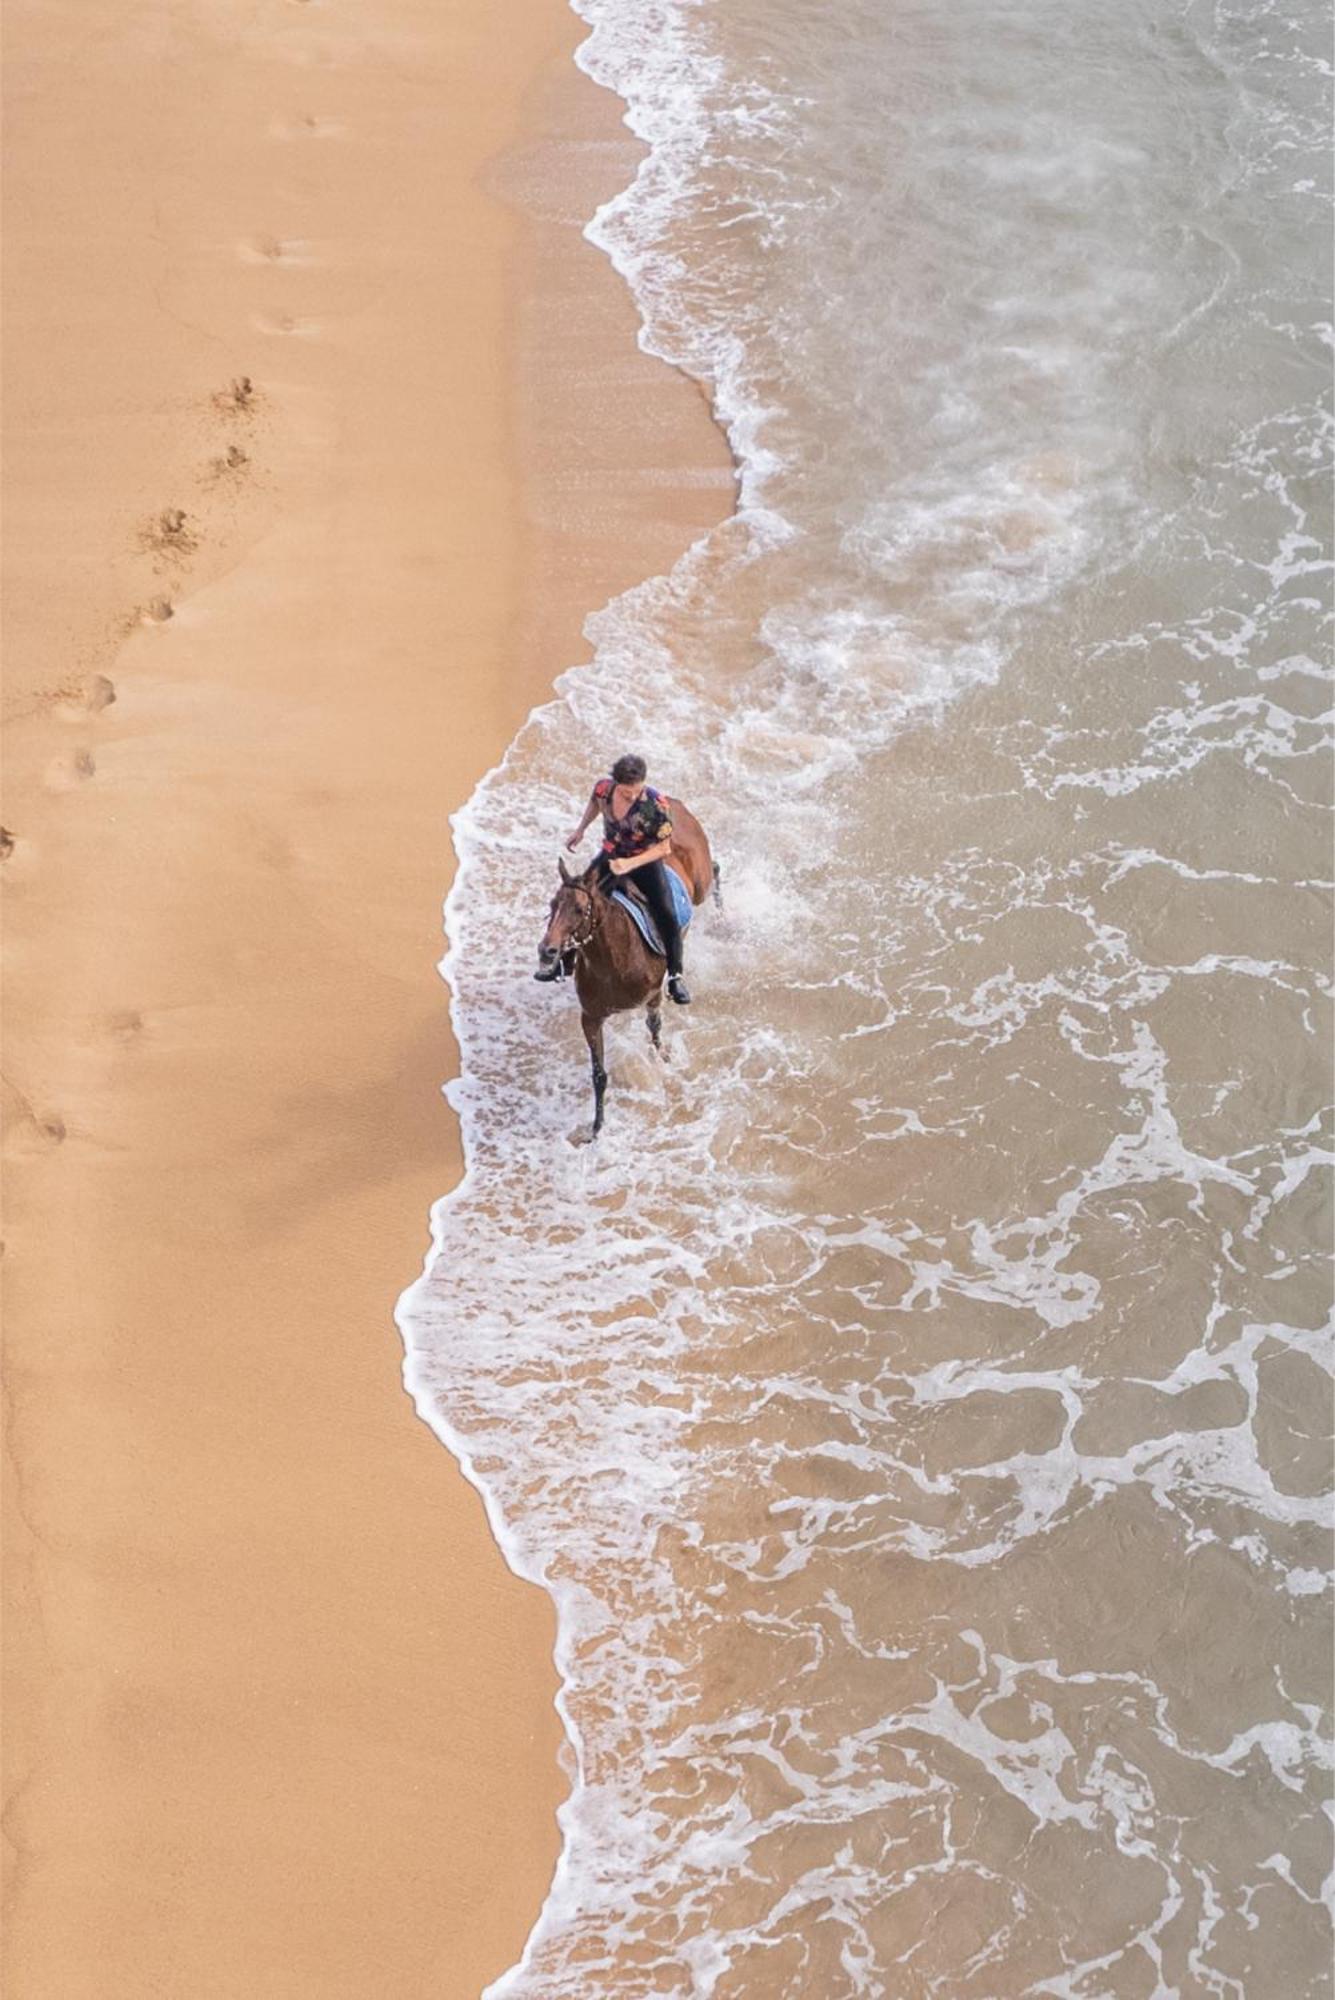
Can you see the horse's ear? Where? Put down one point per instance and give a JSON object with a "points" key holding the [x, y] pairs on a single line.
{"points": [[566, 875]]}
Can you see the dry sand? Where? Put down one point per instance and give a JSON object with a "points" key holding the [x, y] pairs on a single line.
{"points": [[278, 1721]]}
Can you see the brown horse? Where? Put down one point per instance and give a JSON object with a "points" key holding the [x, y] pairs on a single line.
{"points": [[613, 966]]}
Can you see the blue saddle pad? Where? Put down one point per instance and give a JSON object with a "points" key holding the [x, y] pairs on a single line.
{"points": [[648, 929]]}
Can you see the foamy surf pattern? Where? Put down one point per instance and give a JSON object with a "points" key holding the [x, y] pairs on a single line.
{"points": [[917, 1404]]}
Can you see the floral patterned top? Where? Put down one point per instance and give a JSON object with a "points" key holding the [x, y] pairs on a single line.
{"points": [[647, 822]]}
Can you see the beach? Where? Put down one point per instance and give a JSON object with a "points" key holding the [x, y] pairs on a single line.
{"points": [[863, 1526], [293, 544]]}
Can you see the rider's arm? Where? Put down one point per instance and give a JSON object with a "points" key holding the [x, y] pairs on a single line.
{"points": [[619, 864], [591, 812]]}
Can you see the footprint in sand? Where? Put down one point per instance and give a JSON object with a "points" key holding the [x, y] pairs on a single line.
{"points": [[156, 612], [32, 1131], [65, 774], [229, 467], [275, 250], [169, 534], [19, 857], [239, 399], [309, 127], [125, 1025], [89, 698], [287, 325]]}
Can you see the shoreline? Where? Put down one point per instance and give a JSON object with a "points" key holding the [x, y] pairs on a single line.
{"points": [[292, 553], [662, 472], [279, 1720]]}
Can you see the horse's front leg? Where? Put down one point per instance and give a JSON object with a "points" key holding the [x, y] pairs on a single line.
{"points": [[593, 1035], [654, 1015]]}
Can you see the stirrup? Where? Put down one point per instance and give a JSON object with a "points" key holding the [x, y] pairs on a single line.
{"points": [[678, 990]]}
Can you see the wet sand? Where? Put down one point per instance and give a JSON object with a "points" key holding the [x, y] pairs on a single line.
{"points": [[280, 564]]}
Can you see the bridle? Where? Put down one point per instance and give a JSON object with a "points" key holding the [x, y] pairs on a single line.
{"points": [[577, 941]]}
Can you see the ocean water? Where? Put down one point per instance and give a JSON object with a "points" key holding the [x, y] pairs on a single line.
{"points": [[918, 1402]]}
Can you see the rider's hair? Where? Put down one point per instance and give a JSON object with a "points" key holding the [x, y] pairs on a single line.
{"points": [[630, 770]]}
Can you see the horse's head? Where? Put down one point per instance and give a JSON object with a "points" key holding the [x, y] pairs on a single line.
{"points": [[572, 918]]}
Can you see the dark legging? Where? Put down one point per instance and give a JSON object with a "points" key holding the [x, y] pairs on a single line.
{"points": [[651, 878]]}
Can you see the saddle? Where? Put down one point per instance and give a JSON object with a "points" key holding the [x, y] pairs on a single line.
{"points": [[637, 909]]}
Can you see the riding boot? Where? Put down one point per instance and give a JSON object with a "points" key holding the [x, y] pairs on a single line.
{"points": [[561, 968], [676, 984]]}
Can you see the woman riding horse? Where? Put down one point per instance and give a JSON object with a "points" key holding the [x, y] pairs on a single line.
{"points": [[637, 838]]}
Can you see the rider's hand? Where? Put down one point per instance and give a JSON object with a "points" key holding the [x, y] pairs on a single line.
{"points": [[620, 866], [574, 840]]}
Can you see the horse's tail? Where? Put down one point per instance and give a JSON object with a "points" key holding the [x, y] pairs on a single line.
{"points": [[717, 887]]}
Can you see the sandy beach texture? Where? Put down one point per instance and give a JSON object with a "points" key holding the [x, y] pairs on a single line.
{"points": [[293, 542]]}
